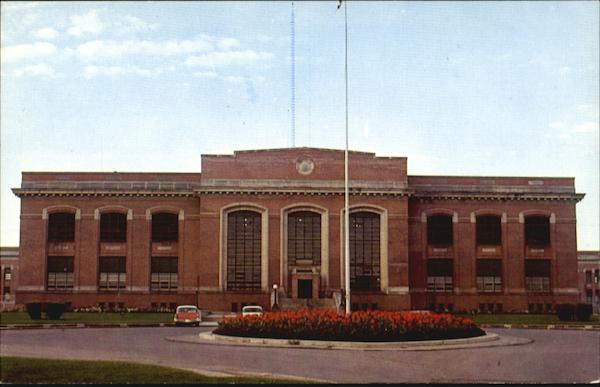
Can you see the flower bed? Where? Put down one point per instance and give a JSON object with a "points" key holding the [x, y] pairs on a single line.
{"points": [[358, 326]]}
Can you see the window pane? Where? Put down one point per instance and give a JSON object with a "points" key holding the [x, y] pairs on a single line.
{"points": [[113, 227], [439, 229], [165, 227], [61, 227], [488, 230], [537, 230], [364, 251]]}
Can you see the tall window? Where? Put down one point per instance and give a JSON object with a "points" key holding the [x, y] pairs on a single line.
{"points": [[60, 273], [244, 250], [304, 237], [537, 231], [588, 276], [439, 275], [163, 273], [61, 227], [439, 230], [113, 227], [165, 227], [489, 231], [489, 275], [537, 275], [112, 274], [8, 274], [364, 251]]}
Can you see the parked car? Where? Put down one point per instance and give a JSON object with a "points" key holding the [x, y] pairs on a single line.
{"points": [[187, 315], [252, 310]]}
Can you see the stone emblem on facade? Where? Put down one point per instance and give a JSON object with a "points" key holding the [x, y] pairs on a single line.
{"points": [[305, 165]]}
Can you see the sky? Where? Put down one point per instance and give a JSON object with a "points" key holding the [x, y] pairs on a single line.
{"points": [[459, 88]]}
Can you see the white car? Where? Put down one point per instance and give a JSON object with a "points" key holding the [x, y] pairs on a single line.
{"points": [[252, 310], [187, 314]]}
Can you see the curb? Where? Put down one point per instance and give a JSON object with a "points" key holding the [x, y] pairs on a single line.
{"points": [[489, 340], [543, 326]]}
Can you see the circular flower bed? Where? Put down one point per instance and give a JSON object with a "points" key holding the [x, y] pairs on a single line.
{"points": [[327, 325]]}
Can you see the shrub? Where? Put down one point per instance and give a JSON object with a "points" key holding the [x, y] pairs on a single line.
{"points": [[565, 312], [55, 310], [358, 326], [583, 312], [34, 310]]}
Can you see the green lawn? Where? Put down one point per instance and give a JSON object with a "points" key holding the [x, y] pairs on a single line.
{"points": [[22, 370], [7, 318]]}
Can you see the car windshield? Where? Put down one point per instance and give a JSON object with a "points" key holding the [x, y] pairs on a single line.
{"points": [[186, 309], [253, 309]]}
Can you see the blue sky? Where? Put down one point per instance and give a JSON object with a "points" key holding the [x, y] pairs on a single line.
{"points": [[460, 88]]}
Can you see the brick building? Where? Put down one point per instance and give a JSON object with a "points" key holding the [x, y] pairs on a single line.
{"points": [[9, 275], [589, 278], [221, 238]]}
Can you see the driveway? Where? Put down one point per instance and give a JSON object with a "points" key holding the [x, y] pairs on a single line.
{"points": [[555, 356]]}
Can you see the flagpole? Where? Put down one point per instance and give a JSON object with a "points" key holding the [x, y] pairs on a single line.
{"points": [[346, 188]]}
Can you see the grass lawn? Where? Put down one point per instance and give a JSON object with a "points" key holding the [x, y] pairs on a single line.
{"points": [[22, 370], [546, 319], [90, 318]]}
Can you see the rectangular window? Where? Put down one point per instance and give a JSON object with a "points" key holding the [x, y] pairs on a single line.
{"points": [[60, 273], [163, 274], [537, 275], [489, 275], [439, 275], [588, 296], [537, 231], [112, 273], [113, 227], [588, 276], [7, 274], [61, 227], [489, 230], [439, 229], [165, 227]]}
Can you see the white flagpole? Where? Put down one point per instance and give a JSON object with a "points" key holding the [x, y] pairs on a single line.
{"points": [[346, 188]]}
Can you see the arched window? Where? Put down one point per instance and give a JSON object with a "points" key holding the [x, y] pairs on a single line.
{"points": [[439, 230], [244, 250], [537, 231], [489, 231], [365, 251], [113, 227], [165, 227], [304, 237], [61, 227]]}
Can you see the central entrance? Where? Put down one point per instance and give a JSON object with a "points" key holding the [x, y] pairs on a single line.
{"points": [[305, 288]]}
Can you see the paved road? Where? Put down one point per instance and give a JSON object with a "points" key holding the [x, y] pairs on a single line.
{"points": [[555, 356]]}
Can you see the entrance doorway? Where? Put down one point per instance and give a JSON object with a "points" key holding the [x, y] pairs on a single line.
{"points": [[305, 288]]}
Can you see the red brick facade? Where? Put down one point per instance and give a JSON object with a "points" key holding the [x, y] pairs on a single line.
{"points": [[271, 185]]}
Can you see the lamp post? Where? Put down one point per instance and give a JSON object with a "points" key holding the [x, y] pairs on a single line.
{"points": [[275, 305]]}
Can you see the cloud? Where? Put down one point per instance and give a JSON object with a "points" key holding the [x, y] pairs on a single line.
{"points": [[45, 33], [110, 48], [126, 25], [586, 127], [40, 69], [27, 51], [214, 59], [227, 43], [94, 71], [88, 23], [206, 74]]}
